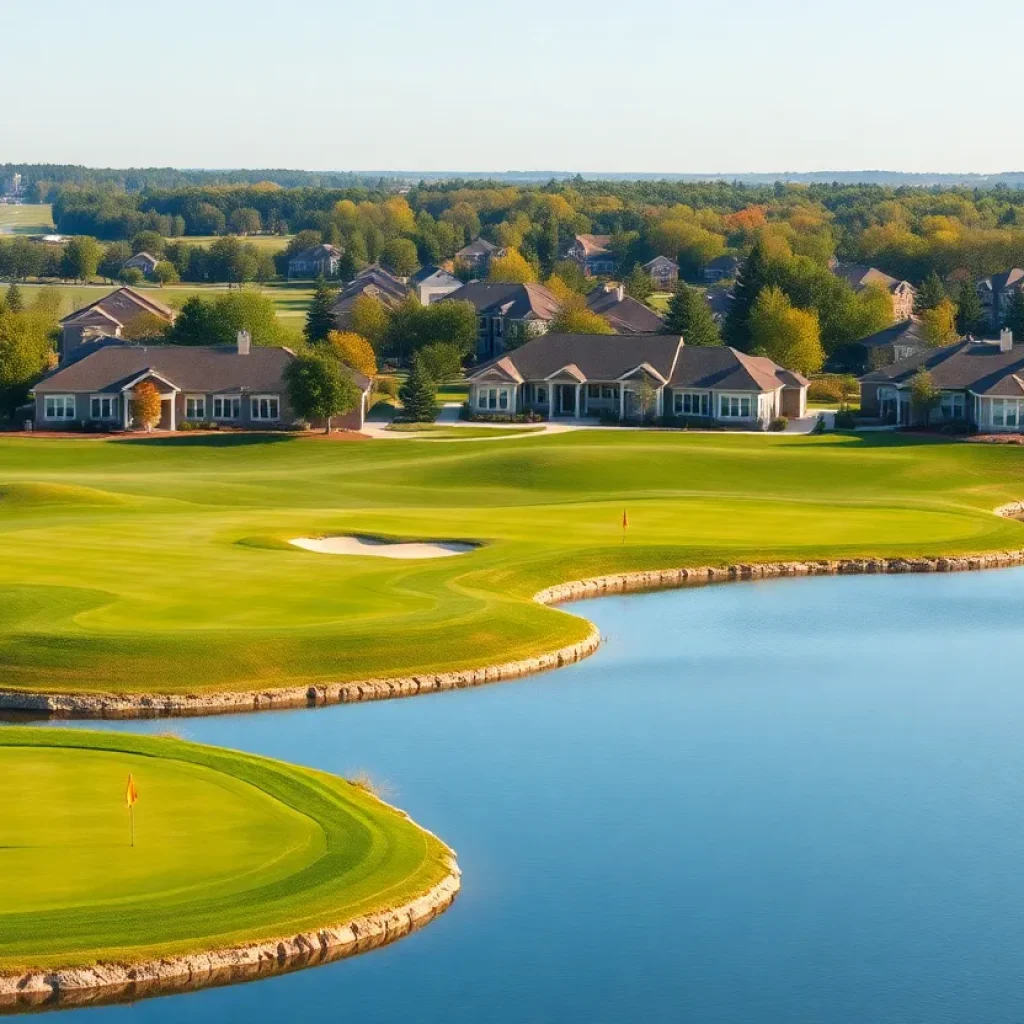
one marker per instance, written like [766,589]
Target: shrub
[833,387]
[845,419]
[386,385]
[778,424]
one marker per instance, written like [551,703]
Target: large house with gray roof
[625,314]
[241,386]
[981,384]
[997,292]
[594,375]
[902,293]
[506,311]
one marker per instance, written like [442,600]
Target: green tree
[574,317]
[81,258]
[114,258]
[194,323]
[752,278]
[166,272]
[400,257]
[924,395]
[26,351]
[1015,317]
[319,388]
[148,241]
[930,294]
[369,317]
[419,395]
[638,283]
[244,310]
[970,317]
[131,276]
[570,273]
[245,221]
[788,335]
[690,316]
[320,315]
[442,361]
[13,301]
[347,266]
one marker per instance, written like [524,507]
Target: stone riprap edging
[113,983]
[142,705]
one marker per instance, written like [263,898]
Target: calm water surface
[790,801]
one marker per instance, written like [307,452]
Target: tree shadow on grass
[206,440]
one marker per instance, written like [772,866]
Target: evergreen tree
[1015,317]
[753,276]
[970,318]
[347,267]
[690,316]
[930,294]
[13,300]
[320,318]
[419,395]
[638,283]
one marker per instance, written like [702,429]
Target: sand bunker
[380,548]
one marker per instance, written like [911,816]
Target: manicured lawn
[272,243]
[161,564]
[26,219]
[291,300]
[229,848]
[455,391]
[440,430]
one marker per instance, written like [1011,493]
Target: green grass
[26,219]
[442,431]
[229,848]
[272,243]
[455,391]
[291,300]
[162,564]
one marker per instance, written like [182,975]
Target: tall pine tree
[320,318]
[690,316]
[418,395]
[970,317]
[753,276]
[13,300]
[1015,317]
[930,294]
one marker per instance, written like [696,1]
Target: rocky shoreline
[155,705]
[115,983]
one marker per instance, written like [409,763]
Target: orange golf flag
[625,519]
[131,794]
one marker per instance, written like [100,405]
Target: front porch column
[172,419]
[622,401]
[551,401]
[578,409]
[659,404]
[126,409]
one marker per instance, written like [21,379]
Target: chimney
[1005,340]
[244,342]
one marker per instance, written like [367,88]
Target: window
[608,392]
[195,407]
[503,398]
[227,407]
[542,394]
[997,412]
[735,407]
[59,407]
[594,390]
[690,403]
[497,321]
[952,407]
[481,398]
[265,407]
[103,407]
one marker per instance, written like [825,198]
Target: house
[142,261]
[317,261]
[624,313]
[721,268]
[506,311]
[997,292]
[663,272]
[375,282]
[232,385]
[902,292]
[593,253]
[981,383]
[433,283]
[719,300]
[478,255]
[577,375]
[113,316]
[890,345]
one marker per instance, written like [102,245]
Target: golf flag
[625,524]
[131,794]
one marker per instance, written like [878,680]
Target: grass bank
[230,849]
[162,564]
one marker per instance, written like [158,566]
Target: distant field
[659,301]
[274,243]
[291,300]
[27,219]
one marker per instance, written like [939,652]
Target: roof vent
[244,342]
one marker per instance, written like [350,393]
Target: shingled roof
[515,301]
[906,331]
[623,312]
[979,366]
[121,308]
[112,366]
[862,277]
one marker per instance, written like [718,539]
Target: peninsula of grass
[162,565]
[230,849]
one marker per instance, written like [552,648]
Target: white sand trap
[380,548]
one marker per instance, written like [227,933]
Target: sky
[655,86]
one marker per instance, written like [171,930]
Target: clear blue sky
[661,85]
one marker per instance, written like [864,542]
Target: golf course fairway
[163,566]
[241,865]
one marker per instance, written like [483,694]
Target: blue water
[791,801]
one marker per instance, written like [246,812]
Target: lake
[797,800]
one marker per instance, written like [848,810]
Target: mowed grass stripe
[276,851]
[163,565]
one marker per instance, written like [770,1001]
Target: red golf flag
[625,519]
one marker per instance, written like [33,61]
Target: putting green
[163,564]
[229,848]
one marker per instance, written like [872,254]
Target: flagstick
[131,818]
